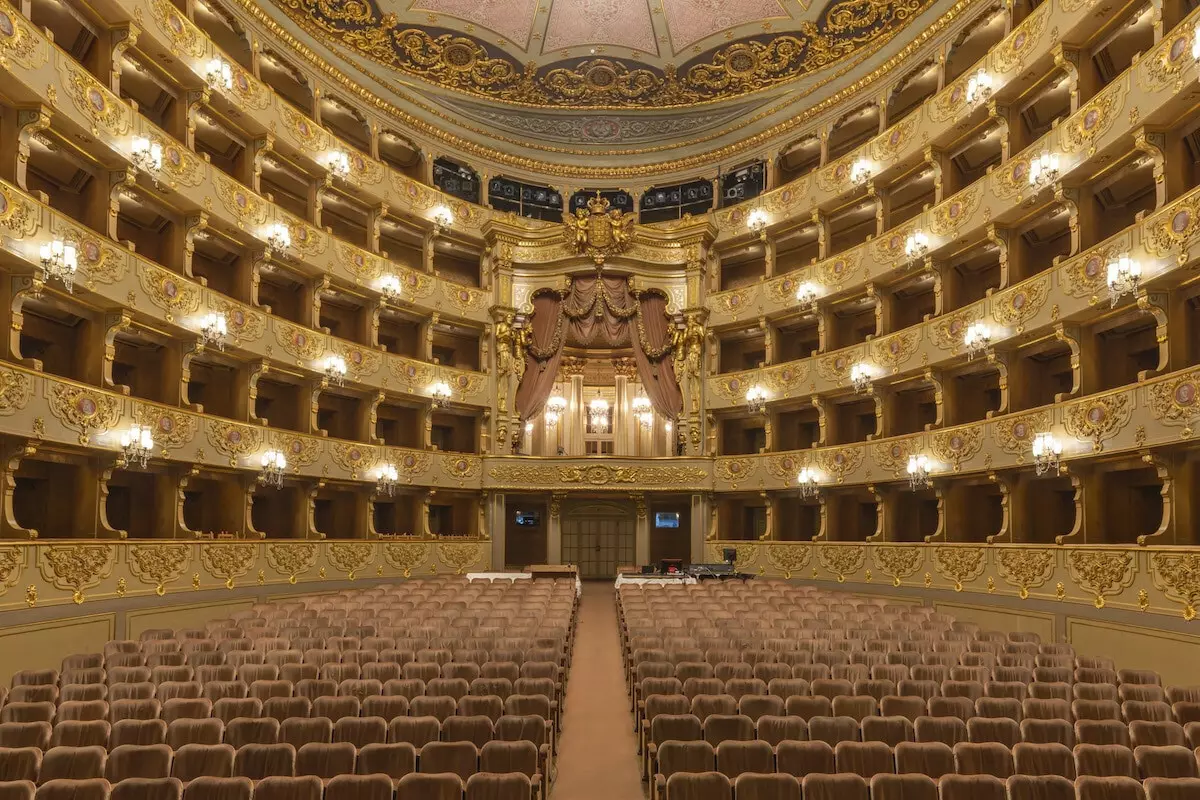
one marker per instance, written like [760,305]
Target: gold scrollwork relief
[158,564]
[1101,572]
[292,559]
[960,565]
[789,558]
[350,557]
[842,560]
[1177,575]
[898,561]
[234,441]
[85,410]
[958,444]
[406,556]
[1096,419]
[12,563]
[228,561]
[76,567]
[460,557]
[1025,567]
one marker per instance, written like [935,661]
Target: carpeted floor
[598,754]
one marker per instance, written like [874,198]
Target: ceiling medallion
[458,61]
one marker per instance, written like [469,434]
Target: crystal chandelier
[1124,277]
[390,288]
[214,329]
[273,466]
[806,295]
[1043,169]
[338,163]
[279,238]
[918,472]
[442,218]
[219,75]
[598,414]
[977,339]
[756,399]
[860,171]
[860,377]
[386,479]
[137,444]
[1046,452]
[147,156]
[335,369]
[555,407]
[979,87]
[809,484]
[916,245]
[60,260]
[757,221]
[641,410]
[440,393]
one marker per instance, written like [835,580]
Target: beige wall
[43,645]
[1175,656]
[1002,619]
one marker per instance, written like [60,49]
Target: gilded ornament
[350,557]
[1085,275]
[367,267]
[12,561]
[461,467]
[460,557]
[299,342]
[959,564]
[599,231]
[892,455]
[19,43]
[416,374]
[835,367]
[15,390]
[1175,401]
[839,464]
[957,444]
[1177,575]
[406,556]
[947,331]
[1016,306]
[228,561]
[300,451]
[947,218]
[734,470]
[837,270]
[122,587]
[291,559]
[1101,572]
[305,132]
[172,429]
[735,302]
[412,463]
[465,299]
[928,580]
[1025,567]
[158,564]
[87,410]
[898,561]
[76,567]
[789,558]
[353,457]
[1144,601]
[1080,131]
[842,560]
[106,111]
[186,39]
[597,475]
[168,291]
[891,352]
[1015,434]
[195,581]
[1172,230]
[180,165]
[1060,592]
[1163,66]
[1098,418]
[232,440]
[1011,52]
[18,216]
[245,324]
[246,206]
[31,596]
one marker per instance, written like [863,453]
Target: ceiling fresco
[603,54]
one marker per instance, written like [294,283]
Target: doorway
[598,536]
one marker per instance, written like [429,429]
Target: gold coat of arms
[599,231]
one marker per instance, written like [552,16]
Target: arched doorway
[598,536]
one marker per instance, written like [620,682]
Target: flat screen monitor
[666,519]
[528,518]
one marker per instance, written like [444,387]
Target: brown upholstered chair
[17,790]
[302,787]
[1104,761]
[1171,788]
[89,789]
[1170,761]
[833,730]
[325,760]
[753,786]
[418,786]
[737,757]
[20,764]
[199,760]
[698,786]
[81,734]
[259,761]
[1040,787]
[819,786]
[138,761]
[889,730]
[971,787]
[774,729]
[1049,758]
[25,734]
[460,758]
[147,789]
[1102,731]
[947,730]
[865,759]
[417,731]
[372,787]
[1088,787]
[73,763]
[802,758]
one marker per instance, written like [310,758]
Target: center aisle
[597,757]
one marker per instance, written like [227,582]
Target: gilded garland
[462,63]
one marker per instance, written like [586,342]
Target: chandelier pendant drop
[387,479]
[273,466]
[1124,277]
[214,329]
[918,473]
[136,445]
[60,260]
[977,339]
[860,378]
[1046,453]
[642,411]
[335,370]
[555,406]
[810,485]
[598,414]
[756,399]
[440,394]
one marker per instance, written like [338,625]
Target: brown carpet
[598,753]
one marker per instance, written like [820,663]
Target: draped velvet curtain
[601,312]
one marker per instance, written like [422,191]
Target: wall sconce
[219,75]
[555,407]
[279,238]
[335,370]
[810,484]
[338,163]
[1043,169]
[1046,452]
[861,171]
[979,87]
[756,399]
[147,156]
[273,466]
[386,479]
[1196,43]
[137,444]
[860,378]
[806,295]
[390,287]
[977,339]
[642,412]
[757,221]
[1124,277]
[598,414]
[60,260]
[918,472]
[440,393]
[916,245]
[214,328]
[442,218]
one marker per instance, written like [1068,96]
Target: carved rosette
[1164,64]
[894,351]
[292,559]
[1015,435]
[1012,51]
[1083,128]
[412,464]
[354,458]
[86,410]
[301,451]
[360,363]
[1096,419]
[304,131]
[234,441]
[105,110]
[789,558]
[947,332]
[460,556]
[1101,572]
[228,561]
[841,463]
[180,164]
[1175,401]
[734,303]
[245,324]
[1025,567]
[890,247]
[957,444]
[1018,305]
[350,557]
[76,567]
[298,342]
[99,261]
[782,291]
[12,563]
[893,456]
[416,374]
[1177,575]
[172,429]
[835,367]
[897,562]
[247,207]
[463,298]
[158,564]
[732,388]
[735,470]
[461,467]
[365,266]
[15,390]
[406,556]
[784,467]
[842,560]
[836,271]
[168,291]
[947,218]
[960,565]
[1085,275]
[785,378]
[185,38]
